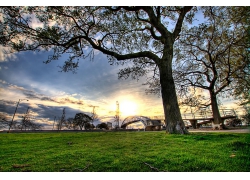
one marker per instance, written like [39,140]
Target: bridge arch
[149,124]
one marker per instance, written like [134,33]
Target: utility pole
[15,112]
[94,115]
[62,119]
[93,111]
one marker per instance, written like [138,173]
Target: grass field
[124,152]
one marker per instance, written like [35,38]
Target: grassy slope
[124,152]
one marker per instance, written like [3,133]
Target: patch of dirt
[20,165]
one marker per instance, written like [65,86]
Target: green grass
[124,152]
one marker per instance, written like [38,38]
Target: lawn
[124,152]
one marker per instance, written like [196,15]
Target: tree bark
[173,119]
[215,109]
[193,123]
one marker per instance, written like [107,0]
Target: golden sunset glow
[128,108]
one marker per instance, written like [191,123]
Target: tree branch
[147,54]
[178,25]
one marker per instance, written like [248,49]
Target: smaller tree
[81,120]
[214,55]
[28,123]
[69,123]
[246,116]
[4,123]
[35,126]
[102,126]
[25,122]
[89,126]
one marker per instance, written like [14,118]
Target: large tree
[213,56]
[142,35]
[242,91]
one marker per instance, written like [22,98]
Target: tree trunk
[193,123]
[173,119]
[80,127]
[215,109]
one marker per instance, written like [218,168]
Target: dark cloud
[71,101]
[50,112]
[30,95]
[8,106]
[47,99]
[95,80]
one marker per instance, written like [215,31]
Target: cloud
[15,87]
[70,100]
[5,54]
[40,103]
[2,81]
[96,83]
[31,94]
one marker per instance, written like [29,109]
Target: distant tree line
[81,121]
[24,124]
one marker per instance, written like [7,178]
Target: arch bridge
[196,119]
[149,124]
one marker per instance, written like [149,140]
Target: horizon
[94,84]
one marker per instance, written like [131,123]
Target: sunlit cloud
[5,54]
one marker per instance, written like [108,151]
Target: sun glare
[128,108]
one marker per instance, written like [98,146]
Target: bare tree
[25,122]
[4,123]
[69,123]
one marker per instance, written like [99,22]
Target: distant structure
[94,115]
[61,121]
[117,116]
[54,123]
[109,124]
[93,111]
[149,124]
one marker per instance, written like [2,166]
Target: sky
[24,76]
[95,83]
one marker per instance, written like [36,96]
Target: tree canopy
[81,120]
[213,56]
[143,36]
